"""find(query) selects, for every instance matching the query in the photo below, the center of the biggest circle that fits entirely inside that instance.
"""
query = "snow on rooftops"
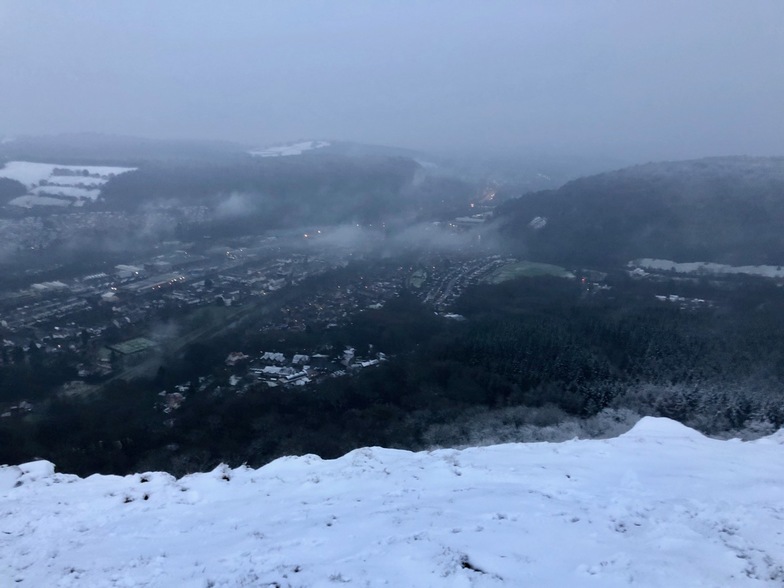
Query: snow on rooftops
(273, 356)
(56, 285)
(277, 370)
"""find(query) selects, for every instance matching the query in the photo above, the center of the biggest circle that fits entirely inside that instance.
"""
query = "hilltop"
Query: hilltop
(658, 506)
(725, 210)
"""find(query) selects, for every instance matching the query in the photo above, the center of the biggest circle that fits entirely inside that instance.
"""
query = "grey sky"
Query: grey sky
(647, 80)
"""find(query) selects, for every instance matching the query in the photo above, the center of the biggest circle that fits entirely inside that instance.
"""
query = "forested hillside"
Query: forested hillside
(727, 210)
(536, 358)
(259, 193)
(10, 189)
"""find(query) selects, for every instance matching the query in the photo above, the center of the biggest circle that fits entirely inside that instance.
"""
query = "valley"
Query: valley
(208, 339)
(405, 294)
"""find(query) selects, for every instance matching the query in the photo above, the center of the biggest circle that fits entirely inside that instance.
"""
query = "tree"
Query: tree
(18, 355)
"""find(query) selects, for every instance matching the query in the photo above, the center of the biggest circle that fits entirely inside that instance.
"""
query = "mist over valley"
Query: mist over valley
(303, 294)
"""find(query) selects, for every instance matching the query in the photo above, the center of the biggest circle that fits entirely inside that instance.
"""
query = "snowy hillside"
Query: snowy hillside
(705, 268)
(52, 184)
(659, 506)
(290, 149)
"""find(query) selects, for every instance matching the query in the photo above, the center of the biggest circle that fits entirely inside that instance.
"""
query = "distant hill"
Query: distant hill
(326, 183)
(100, 149)
(311, 148)
(259, 193)
(726, 209)
(243, 188)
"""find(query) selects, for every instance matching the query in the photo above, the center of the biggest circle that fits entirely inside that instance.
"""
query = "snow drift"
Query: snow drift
(659, 506)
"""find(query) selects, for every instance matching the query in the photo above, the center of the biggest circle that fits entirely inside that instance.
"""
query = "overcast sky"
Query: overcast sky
(646, 80)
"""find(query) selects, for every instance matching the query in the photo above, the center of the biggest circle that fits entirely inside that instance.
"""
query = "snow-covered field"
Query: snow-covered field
(30, 200)
(659, 506)
(79, 181)
(47, 181)
(706, 268)
(290, 149)
(70, 191)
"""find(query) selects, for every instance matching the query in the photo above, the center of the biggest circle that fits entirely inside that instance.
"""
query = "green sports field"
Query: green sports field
(528, 269)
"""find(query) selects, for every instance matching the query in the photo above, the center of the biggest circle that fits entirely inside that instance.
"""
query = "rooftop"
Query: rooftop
(133, 346)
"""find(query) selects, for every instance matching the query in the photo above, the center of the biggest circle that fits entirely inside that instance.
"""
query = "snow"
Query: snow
(28, 201)
(706, 267)
(290, 149)
(71, 191)
(276, 370)
(76, 181)
(80, 187)
(659, 506)
(454, 316)
(30, 173)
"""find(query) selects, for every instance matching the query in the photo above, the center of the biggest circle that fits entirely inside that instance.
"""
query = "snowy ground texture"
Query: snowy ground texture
(659, 506)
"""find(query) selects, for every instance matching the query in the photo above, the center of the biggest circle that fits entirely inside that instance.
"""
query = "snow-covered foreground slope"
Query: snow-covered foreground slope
(659, 506)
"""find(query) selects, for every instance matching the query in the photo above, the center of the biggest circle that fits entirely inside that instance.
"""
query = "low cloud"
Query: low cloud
(236, 205)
